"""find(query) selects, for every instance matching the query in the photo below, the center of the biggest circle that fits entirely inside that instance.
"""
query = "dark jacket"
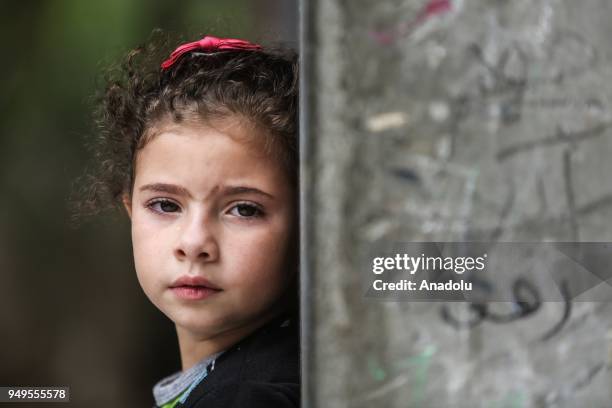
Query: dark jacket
(262, 370)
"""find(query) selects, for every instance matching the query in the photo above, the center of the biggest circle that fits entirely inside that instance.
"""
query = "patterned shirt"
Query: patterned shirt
(176, 388)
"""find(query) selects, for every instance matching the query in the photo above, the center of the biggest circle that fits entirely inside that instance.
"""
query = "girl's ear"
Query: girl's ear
(127, 203)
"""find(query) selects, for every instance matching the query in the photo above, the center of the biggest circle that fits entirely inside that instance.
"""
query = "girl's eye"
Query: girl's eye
(164, 206)
(245, 210)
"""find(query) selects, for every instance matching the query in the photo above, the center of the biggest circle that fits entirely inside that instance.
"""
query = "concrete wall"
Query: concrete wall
(466, 120)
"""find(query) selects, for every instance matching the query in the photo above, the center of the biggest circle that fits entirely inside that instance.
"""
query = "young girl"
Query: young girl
(201, 150)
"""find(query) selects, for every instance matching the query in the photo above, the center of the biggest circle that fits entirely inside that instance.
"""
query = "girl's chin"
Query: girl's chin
(197, 322)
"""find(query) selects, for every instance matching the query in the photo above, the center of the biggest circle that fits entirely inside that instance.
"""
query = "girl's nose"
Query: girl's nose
(197, 242)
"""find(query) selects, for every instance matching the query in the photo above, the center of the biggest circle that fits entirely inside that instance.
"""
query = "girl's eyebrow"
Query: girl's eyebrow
(182, 191)
(166, 188)
(235, 190)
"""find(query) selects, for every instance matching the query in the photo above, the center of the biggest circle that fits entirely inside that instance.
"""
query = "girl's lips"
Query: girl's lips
(193, 288)
(186, 280)
(193, 292)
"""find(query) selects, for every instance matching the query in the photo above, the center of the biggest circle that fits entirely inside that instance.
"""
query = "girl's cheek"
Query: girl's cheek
(146, 237)
(145, 220)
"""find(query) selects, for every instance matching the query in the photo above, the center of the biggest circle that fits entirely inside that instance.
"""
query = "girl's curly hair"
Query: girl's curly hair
(259, 86)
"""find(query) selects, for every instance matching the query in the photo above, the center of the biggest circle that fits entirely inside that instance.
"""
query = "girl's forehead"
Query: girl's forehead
(211, 143)
(201, 154)
(236, 127)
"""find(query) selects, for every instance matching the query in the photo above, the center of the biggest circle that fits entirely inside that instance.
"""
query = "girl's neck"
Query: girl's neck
(195, 347)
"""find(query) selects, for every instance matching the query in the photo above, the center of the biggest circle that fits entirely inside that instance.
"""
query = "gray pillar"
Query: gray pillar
(471, 120)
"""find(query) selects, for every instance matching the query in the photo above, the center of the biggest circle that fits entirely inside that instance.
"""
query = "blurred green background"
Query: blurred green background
(71, 310)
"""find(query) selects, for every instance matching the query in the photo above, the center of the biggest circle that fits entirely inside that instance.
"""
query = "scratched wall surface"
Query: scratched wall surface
(464, 120)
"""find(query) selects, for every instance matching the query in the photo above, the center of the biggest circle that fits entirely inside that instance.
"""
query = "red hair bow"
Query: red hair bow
(209, 43)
